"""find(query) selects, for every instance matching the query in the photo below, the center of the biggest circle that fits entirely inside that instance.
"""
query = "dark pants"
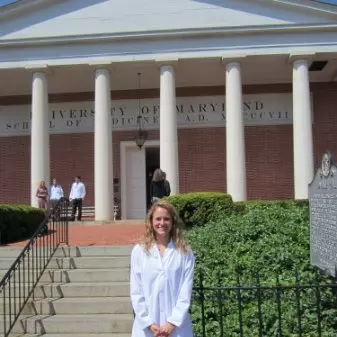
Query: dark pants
(77, 204)
(57, 213)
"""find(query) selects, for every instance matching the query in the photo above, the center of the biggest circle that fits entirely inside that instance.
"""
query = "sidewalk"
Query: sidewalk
(100, 235)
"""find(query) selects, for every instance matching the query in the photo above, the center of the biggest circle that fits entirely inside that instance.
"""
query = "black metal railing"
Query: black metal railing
(293, 307)
(18, 284)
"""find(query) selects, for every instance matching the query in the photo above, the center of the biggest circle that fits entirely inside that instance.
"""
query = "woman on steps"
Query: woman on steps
(42, 196)
(159, 187)
(161, 277)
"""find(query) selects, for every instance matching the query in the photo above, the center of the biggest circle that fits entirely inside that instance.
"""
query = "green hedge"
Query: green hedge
(244, 206)
(197, 209)
(18, 222)
(268, 238)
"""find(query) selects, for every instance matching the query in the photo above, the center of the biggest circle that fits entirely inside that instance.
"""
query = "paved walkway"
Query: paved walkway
(100, 235)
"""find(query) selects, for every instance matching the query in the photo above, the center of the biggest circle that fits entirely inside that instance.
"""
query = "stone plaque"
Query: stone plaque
(323, 217)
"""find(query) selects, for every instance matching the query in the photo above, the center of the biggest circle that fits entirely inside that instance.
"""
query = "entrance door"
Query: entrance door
(135, 183)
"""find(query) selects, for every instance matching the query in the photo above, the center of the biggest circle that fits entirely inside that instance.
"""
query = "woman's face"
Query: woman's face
(161, 223)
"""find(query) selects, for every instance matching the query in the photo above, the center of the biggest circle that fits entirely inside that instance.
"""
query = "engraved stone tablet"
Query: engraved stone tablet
(323, 217)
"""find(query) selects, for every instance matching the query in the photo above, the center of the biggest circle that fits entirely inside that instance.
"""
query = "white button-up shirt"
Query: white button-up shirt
(77, 191)
(55, 192)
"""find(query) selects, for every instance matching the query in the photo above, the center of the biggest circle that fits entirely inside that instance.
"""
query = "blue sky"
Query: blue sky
(5, 2)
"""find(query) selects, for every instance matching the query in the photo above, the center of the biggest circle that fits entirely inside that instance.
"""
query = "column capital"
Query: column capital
(106, 65)
(225, 60)
(166, 61)
(301, 56)
(45, 69)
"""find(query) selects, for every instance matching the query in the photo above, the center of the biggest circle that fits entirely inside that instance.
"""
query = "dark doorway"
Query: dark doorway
(152, 159)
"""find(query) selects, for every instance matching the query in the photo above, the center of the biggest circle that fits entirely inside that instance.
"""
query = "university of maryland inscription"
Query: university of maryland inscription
(191, 112)
(323, 217)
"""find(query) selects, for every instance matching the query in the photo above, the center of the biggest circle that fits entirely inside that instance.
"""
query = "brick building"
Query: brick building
(246, 93)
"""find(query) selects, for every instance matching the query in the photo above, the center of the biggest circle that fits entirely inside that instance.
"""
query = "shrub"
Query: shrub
(18, 222)
(268, 236)
(197, 209)
(243, 206)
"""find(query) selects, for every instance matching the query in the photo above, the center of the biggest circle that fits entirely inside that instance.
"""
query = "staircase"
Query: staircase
(83, 293)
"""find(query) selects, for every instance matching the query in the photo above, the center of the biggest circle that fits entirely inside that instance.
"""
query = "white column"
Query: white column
(235, 136)
(103, 147)
(168, 127)
(40, 167)
(302, 130)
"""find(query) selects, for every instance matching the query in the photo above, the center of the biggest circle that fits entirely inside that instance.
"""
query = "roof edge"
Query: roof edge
(21, 5)
(313, 5)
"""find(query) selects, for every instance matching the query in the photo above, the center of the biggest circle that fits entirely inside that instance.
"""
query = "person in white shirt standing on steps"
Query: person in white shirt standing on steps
(55, 194)
(76, 197)
(161, 277)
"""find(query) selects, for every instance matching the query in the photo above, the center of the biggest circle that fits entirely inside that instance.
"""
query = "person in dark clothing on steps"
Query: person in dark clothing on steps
(166, 185)
(159, 186)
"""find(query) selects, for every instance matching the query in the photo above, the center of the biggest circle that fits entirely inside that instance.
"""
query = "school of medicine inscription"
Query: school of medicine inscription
(323, 218)
(192, 112)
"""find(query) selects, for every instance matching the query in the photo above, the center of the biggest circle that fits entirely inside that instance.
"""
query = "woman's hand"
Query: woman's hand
(155, 329)
(167, 329)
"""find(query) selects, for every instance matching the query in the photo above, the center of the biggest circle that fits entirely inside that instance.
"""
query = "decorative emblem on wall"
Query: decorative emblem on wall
(326, 164)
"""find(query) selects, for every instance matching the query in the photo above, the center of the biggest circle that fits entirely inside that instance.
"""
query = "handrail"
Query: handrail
(19, 282)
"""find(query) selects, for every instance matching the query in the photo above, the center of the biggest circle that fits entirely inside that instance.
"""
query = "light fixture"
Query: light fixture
(142, 134)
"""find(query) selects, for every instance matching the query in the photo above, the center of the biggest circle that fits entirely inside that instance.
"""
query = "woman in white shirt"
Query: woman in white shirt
(161, 277)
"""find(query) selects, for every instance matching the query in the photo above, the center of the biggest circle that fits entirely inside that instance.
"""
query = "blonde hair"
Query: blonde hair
(42, 184)
(158, 175)
(177, 231)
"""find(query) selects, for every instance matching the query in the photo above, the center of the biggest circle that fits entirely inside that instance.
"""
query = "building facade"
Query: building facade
(236, 96)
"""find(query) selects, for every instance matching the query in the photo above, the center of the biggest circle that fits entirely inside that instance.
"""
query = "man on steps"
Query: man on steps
(76, 197)
(55, 194)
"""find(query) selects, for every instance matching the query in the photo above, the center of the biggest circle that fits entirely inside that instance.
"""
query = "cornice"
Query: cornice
(165, 34)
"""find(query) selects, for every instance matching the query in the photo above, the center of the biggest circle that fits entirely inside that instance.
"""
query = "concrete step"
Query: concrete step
(87, 262)
(79, 275)
(66, 251)
(98, 289)
(99, 262)
(93, 305)
(70, 290)
(79, 324)
(86, 275)
(86, 251)
(8, 255)
(9, 252)
(6, 263)
(89, 222)
(67, 306)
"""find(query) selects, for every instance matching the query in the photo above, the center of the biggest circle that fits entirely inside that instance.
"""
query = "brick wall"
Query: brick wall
(15, 170)
(72, 155)
(325, 121)
(202, 159)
